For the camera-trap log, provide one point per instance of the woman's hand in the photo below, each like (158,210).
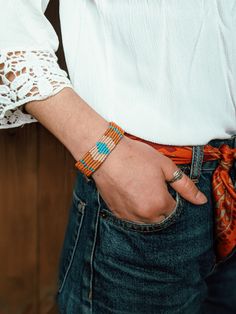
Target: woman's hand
(132,182)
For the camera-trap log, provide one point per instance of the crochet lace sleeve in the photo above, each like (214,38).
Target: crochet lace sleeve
(26,76)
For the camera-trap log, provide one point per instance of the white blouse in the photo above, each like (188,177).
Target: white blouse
(163,70)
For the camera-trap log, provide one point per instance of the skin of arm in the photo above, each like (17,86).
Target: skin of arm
(68,117)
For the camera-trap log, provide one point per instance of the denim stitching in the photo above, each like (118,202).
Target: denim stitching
(146,228)
(74,247)
(193,164)
(80,203)
(201,156)
(92,253)
(196,165)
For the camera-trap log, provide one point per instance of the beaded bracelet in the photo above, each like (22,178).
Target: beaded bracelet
(91,161)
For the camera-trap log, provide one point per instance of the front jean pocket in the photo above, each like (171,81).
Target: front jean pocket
(71,239)
(108,215)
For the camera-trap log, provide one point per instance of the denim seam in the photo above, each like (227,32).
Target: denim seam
(79,203)
(145,228)
(92,254)
(74,248)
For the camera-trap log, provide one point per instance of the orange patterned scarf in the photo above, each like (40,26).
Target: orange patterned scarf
(224,193)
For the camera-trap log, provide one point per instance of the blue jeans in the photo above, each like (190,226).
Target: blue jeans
(112,266)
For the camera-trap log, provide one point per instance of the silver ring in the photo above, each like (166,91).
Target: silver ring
(177,175)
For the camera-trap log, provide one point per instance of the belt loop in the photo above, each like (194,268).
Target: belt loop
(196,164)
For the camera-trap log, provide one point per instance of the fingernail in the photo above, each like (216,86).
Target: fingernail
(201,197)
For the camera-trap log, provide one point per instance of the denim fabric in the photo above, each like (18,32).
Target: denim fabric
(113,266)
(222,288)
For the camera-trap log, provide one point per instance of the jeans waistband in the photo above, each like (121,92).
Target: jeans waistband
(197,164)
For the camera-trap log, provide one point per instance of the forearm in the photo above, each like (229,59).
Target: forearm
(70,119)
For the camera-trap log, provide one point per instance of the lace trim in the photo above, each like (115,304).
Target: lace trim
(15,118)
(27,76)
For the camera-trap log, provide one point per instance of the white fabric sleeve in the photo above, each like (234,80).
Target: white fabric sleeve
(28,64)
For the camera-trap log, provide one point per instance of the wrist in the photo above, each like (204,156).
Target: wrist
(90,137)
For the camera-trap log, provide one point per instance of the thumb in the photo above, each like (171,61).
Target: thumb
(184,186)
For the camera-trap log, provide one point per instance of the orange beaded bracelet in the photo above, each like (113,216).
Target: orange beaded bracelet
(91,161)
